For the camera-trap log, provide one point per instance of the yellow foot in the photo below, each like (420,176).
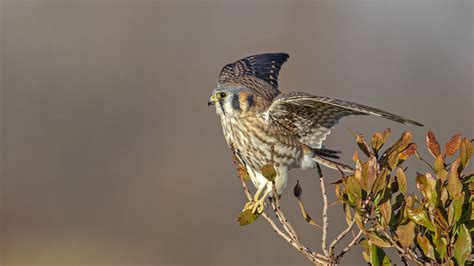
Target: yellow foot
(255,206)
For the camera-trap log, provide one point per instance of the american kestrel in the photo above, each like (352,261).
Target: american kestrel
(263,125)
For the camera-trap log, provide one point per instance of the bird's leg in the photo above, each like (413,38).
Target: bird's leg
(250,204)
(260,204)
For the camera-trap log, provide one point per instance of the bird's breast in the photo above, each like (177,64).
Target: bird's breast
(258,143)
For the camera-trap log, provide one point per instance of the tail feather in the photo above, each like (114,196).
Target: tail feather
(332,164)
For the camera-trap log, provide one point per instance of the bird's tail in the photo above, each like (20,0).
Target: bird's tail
(332,164)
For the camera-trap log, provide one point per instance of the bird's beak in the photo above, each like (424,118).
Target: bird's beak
(211,101)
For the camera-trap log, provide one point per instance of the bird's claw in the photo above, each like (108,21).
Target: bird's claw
(256,207)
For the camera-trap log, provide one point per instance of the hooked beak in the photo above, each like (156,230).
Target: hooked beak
(211,101)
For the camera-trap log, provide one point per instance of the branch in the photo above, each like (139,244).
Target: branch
(339,237)
(325,211)
(352,243)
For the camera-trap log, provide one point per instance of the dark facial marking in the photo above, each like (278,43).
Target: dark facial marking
(221,104)
(250,101)
(235,102)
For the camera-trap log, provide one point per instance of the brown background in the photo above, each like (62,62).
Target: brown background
(110,155)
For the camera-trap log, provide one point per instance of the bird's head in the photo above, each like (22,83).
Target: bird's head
(232,100)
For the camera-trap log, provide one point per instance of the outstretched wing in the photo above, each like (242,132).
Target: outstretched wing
(265,67)
(311,118)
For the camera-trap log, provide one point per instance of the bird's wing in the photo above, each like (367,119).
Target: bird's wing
(311,118)
(264,67)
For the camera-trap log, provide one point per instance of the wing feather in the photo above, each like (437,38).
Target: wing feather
(311,118)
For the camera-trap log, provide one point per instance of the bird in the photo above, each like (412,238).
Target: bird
(265,126)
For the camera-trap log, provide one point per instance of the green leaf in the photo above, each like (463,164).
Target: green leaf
(247,217)
(406,233)
(454,184)
(426,246)
(269,172)
(440,243)
(462,246)
(353,187)
(455,208)
(378,256)
(380,183)
(402,180)
(420,217)
(378,240)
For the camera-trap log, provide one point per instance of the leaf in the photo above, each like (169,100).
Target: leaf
(426,184)
(393,159)
(420,217)
(453,145)
(440,243)
(466,152)
(406,233)
(455,208)
(372,170)
(297,191)
(410,150)
(269,172)
(462,246)
(378,240)
(353,187)
(433,145)
(385,135)
(402,180)
(247,217)
(426,246)
(454,184)
(377,141)
(439,168)
(363,145)
(386,212)
(380,182)
(378,256)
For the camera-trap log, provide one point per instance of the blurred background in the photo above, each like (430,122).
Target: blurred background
(110,155)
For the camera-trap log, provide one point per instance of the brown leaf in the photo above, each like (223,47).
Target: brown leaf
(402,180)
(426,184)
(466,152)
(426,246)
(377,141)
(363,146)
(386,212)
(433,145)
(378,240)
(453,145)
(439,168)
(410,150)
(406,233)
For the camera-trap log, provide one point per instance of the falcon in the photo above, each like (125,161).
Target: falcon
(264,126)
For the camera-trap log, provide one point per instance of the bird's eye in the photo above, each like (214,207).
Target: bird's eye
(221,95)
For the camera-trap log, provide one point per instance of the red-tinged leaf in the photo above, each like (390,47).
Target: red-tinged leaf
(406,233)
(462,246)
(433,145)
(410,150)
(453,145)
(426,246)
(454,183)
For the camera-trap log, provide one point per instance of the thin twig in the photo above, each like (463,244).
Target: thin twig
(352,243)
(325,211)
(339,237)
